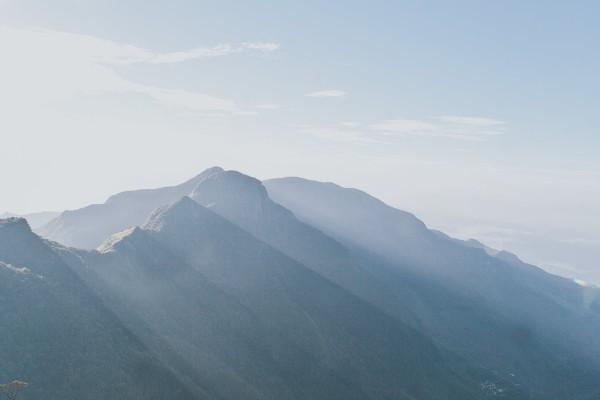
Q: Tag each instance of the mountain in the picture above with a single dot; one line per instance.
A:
(58, 335)
(304, 337)
(286, 255)
(35, 220)
(244, 201)
(89, 227)
(533, 328)
(246, 321)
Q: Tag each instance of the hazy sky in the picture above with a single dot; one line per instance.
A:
(481, 117)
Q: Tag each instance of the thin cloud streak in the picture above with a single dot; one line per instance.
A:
(392, 130)
(454, 127)
(327, 93)
(197, 53)
(473, 121)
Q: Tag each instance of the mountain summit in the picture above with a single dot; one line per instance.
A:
(89, 227)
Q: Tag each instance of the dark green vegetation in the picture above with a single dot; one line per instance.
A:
(226, 294)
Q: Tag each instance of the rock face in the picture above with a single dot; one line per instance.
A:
(225, 287)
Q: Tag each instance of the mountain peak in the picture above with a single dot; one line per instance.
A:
(228, 184)
(208, 172)
(181, 212)
(231, 190)
(191, 184)
(14, 225)
(181, 189)
(89, 227)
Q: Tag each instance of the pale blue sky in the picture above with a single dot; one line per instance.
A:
(479, 116)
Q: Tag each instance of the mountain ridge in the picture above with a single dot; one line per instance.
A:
(523, 296)
(252, 245)
(295, 316)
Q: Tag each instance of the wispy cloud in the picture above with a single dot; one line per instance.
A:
(327, 93)
(44, 66)
(344, 132)
(261, 46)
(391, 130)
(404, 126)
(455, 127)
(472, 121)
(145, 56)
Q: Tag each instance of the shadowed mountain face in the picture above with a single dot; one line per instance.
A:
(58, 335)
(491, 308)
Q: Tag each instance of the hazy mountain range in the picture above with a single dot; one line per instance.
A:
(226, 287)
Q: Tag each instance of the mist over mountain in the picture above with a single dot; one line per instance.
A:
(226, 287)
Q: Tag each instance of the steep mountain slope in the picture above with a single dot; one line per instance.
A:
(532, 327)
(308, 338)
(88, 227)
(355, 217)
(58, 336)
(243, 200)
(160, 296)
